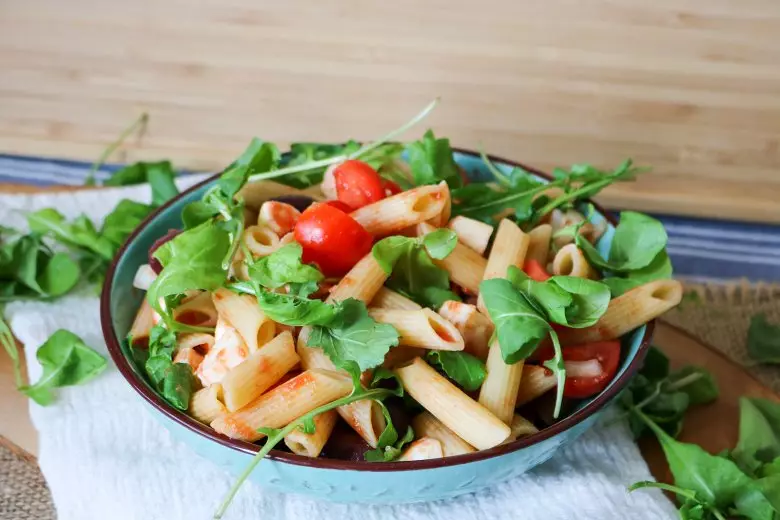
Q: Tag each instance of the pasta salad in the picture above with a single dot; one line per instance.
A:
(374, 304)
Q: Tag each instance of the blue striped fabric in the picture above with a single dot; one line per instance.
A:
(701, 249)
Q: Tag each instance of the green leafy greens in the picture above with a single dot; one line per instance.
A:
(174, 381)
(466, 370)
(763, 341)
(29, 269)
(431, 161)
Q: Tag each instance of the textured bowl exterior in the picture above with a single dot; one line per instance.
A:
(343, 481)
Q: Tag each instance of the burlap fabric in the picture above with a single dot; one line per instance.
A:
(720, 316)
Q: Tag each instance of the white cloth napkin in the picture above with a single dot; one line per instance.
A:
(105, 457)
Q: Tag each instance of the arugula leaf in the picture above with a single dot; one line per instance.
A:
(638, 240)
(66, 361)
(8, 342)
(440, 243)
(660, 268)
(763, 341)
(466, 370)
(123, 220)
(483, 201)
(431, 161)
(258, 157)
(60, 274)
(353, 340)
(160, 176)
(697, 383)
(174, 381)
(759, 433)
(389, 451)
(80, 233)
(283, 267)
(295, 311)
(30, 270)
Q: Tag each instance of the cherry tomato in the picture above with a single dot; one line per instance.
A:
(331, 239)
(535, 270)
(339, 205)
(589, 367)
(357, 184)
(391, 188)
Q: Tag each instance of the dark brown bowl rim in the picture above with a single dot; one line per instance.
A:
(114, 348)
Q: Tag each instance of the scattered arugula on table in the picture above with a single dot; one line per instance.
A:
(411, 268)
(466, 370)
(763, 340)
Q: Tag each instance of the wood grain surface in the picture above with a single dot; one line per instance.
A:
(691, 87)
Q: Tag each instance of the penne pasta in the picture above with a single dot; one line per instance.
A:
(472, 233)
(424, 448)
(421, 328)
(426, 425)
(468, 419)
(255, 193)
(464, 265)
(403, 210)
(509, 248)
(142, 325)
(389, 299)
(569, 261)
(188, 356)
(311, 444)
(144, 277)
(499, 390)
(243, 314)
(362, 282)
(259, 372)
(443, 217)
(206, 404)
(198, 341)
(197, 310)
(535, 382)
(521, 427)
(475, 327)
(261, 240)
(562, 219)
(539, 244)
(398, 356)
(628, 311)
(284, 404)
(279, 217)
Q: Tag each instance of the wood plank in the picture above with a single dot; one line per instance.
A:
(691, 87)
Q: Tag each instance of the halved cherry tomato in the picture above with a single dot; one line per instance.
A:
(391, 188)
(535, 270)
(589, 367)
(331, 239)
(357, 184)
(339, 205)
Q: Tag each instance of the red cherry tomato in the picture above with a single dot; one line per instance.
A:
(535, 270)
(339, 205)
(589, 367)
(391, 188)
(357, 184)
(331, 239)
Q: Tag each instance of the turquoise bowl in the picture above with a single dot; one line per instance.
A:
(338, 480)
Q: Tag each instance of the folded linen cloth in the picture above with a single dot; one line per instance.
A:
(105, 457)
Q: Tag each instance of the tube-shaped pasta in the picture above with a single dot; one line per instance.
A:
(246, 381)
(255, 193)
(475, 327)
(389, 299)
(421, 328)
(278, 216)
(521, 427)
(142, 325)
(509, 248)
(472, 233)
(535, 382)
(426, 425)
(569, 261)
(144, 277)
(206, 404)
(539, 244)
(189, 356)
(243, 313)
(362, 282)
(403, 210)
(468, 419)
(628, 311)
(311, 444)
(200, 342)
(261, 240)
(197, 310)
(499, 390)
(283, 404)
(465, 266)
(442, 218)
(424, 448)
(398, 356)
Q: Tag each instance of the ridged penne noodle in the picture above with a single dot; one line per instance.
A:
(472, 233)
(628, 311)
(521, 427)
(468, 419)
(562, 219)
(389, 299)
(243, 313)
(424, 448)
(200, 342)
(142, 325)
(261, 240)
(144, 277)
(188, 356)
(197, 310)
(255, 193)
(535, 382)
(509, 248)
(421, 328)
(499, 390)
(475, 327)
(442, 218)
(465, 266)
(283, 404)
(569, 261)
(206, 404)
(403, 210)
(539, 244)
(426, 425)
(362, 282)
(246, 381)
(311, 444)
(278, 216)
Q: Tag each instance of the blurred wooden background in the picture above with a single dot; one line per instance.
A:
(691, 87)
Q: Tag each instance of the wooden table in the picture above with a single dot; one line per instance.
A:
(691, 87)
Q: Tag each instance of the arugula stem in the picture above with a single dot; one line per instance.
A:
(9, 344)
(339, 158)
(687, 493)
(139, 124)
(717, 514)
(573, 195)
(685, 381)
(358, 394)
(498, 174)
(559, 369)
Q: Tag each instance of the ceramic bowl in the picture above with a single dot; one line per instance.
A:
(337, 480)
